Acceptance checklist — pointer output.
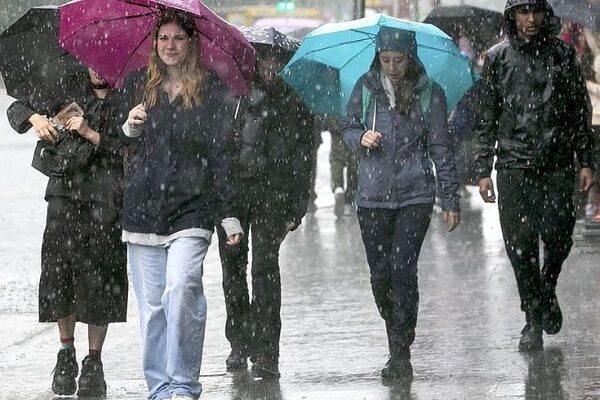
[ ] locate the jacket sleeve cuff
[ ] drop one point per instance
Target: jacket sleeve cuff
(451, 204)
(19, 115)
(131, 132)
(481, 175)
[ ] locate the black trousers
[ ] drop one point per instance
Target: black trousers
(84, 263)
(254, 324)
(536, 205)
(393, 240)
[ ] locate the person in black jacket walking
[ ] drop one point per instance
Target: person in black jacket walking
(271, 177)
(537, 109)
(84, 269)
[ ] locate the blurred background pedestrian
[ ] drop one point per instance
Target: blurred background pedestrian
(272, 181)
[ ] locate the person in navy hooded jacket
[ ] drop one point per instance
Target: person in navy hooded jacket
(397, 134)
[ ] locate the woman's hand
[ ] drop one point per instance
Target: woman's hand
(451, 219)
(370, 139)
(234, 239)
(79, 125)
(486, 190)
(43, 127)
(137, 116)
(586, 179)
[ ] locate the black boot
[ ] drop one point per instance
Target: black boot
(552, 315)
(398, 366)
(236, 361)
(91, 381)
(65, 372)
(531, 337)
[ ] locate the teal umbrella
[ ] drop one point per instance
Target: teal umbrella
(334, 56)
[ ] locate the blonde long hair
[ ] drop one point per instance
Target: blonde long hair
(194, 74)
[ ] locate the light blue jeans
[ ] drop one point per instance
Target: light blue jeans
(168, 286)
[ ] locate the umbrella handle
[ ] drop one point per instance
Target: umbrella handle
(374, 116)
(237, 108)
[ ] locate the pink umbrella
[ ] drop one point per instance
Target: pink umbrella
(114, 38)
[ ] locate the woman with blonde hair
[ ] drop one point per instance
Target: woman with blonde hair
(175, 188)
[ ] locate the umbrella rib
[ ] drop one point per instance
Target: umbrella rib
(132, 53)
(337, 44)
(354, 56)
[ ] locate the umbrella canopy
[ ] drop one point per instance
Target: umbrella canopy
(296, 27)
(269, 37)
(114, 38)
(31, 57)
(482, 26)
(586, 12)
(333, 57)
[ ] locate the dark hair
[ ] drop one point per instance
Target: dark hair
(185, 20)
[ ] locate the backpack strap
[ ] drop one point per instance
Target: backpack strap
(424, 99)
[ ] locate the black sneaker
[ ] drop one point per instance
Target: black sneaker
(552, 315)
(531, 338)
(236, 361)
(266, 367)
(397, 368)
(91, 381)
(65, 372)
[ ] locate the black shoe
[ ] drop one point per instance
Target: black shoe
(399, 368)
(65, 372)
(91, 381)
(531, 338)
(266, 367)
(236, 361)
(552, 317)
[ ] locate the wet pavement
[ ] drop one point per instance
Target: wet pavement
(333, 342)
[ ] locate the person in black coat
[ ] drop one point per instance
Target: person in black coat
(271, 179)
(536, 108)
(84, 268)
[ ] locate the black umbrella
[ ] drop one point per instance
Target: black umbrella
(585, 12)
(31, 58)
(482, 26)
(271, 40)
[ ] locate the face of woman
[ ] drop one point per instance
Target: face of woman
(394, 64)
(172, 44)
(95, 78)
